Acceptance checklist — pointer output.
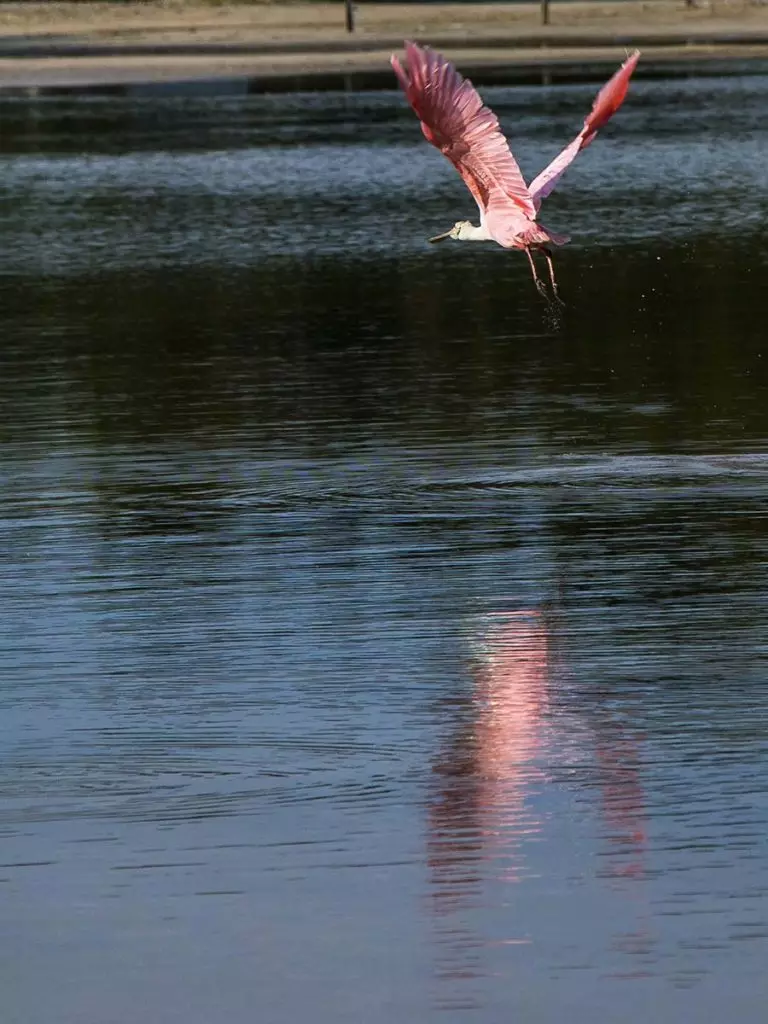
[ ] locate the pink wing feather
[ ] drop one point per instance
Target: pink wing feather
(455, 120)
(607, 102)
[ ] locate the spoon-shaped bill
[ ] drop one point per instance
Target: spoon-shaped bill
(440, 238)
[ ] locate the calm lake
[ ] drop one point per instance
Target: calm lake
(377, 646)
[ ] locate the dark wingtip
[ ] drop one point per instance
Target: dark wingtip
(401, 73)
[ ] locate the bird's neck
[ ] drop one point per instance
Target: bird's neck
(471, 233)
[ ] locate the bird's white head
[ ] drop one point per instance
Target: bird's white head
(462, 230)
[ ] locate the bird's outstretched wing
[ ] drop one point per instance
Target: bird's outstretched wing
(454, 118)
(607, 102)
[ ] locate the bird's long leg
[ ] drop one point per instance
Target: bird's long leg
(555, 292)
(540, 286)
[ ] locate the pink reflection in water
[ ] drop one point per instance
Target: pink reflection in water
(479, 811)
(482, 817)
(623, 799)
(510, 694)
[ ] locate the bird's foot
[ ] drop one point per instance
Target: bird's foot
(555, 293)
(556, 297)
(551, 298)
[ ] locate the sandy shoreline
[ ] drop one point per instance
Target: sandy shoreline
(72, 45)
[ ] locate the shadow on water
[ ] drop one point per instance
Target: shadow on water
(372, 645)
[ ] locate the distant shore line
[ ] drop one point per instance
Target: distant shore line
(39, 77)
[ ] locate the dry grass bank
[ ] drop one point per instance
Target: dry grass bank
(201, 21)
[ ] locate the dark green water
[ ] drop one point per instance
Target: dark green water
(374, 645)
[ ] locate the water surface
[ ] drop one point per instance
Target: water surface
(376, 645)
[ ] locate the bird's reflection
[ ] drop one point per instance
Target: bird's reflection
(619, 766)
(479, 810)
(479, 813)
(517, 734)
(623, 820)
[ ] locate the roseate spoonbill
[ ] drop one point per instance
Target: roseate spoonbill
(455, 120)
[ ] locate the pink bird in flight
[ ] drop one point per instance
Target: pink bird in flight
(455, 120)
